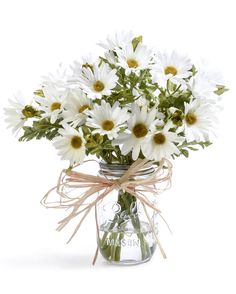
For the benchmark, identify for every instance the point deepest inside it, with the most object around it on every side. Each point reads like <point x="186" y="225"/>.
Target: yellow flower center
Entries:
<point x="191" y="118"/>
<point x="170" y="70"/>
<point x="132" y="63"/>
<point x="140" y="130"/>
<point x="98" y="86"/>
<point x="76" y="142"/>
<point x="55" y="106"/>
<point x="159" y="138"/>
<point x="83" y="107"/>
<point x="107" y="125"/>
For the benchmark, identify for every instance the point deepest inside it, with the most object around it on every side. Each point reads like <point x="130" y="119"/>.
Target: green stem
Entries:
<point x="112" y="249"/>
<point x="136" y="224"/>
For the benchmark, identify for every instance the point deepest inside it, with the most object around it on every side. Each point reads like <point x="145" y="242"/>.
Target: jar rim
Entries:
<point x="117" y="169"/>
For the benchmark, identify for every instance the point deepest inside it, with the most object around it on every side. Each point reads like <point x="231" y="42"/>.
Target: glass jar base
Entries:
<point x="129" y="262"/>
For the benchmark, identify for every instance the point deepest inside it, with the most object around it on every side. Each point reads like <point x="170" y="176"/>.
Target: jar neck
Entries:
<point x="117" y="170"/>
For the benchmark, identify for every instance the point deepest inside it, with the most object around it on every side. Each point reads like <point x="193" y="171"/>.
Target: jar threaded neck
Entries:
<point x="117" y="170"/>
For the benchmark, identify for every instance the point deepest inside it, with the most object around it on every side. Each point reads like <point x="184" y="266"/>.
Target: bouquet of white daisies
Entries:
<point x="128" y="105"/>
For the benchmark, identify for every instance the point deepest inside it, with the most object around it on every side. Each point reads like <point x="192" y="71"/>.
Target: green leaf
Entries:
<point x="192" y="148"/>
<point x="136" y="41"/>
<point x="184" y="152"/>
<point x="220" y="90"/>
<point x="40" y="129"/>
<point x="204" y="144"/>
<point x="39" y="92"/>
<point x="189" y="146"/>
<point x="193" y="70"/>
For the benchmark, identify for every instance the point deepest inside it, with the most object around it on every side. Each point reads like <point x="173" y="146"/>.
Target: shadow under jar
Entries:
<point x="125" y="235"/>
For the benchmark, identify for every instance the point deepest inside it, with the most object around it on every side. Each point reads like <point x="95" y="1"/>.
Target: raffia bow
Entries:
<point x="96" y="188"/>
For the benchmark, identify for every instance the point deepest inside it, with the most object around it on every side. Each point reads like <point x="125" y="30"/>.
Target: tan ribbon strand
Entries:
<point x="93" y="189"/>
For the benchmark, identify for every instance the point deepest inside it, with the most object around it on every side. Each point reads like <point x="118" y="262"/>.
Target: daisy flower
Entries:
<point x="117" y="41"/>
<point x="211" y="71"/>
<point x="173" y="67"/>
<point x="139" y="126"/>
<point x="201" y="85"/>
<point x="58" y="79"/>
<point x="87" y="62"/>
<point x="70" y="145"/>
<point x="134" y="59"/>
<point x="161" y="144"/>
<point x="18" y="113"/>
<point x="107" y="119"/>
<point x="98" y="81"/>
<point x="199" y="120"/>
<point x="76" y="105"/>
<point x="52" y="102"/>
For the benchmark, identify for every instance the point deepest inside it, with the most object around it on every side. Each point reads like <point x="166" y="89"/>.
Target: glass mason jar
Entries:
<point x="125" y="235"/>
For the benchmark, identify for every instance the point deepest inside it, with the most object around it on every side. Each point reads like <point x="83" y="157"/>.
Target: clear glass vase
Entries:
<point x="125" y="234"/>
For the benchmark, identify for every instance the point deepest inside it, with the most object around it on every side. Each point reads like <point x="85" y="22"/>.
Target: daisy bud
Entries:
<point x="29" y="111"/>
<point x="177" y="118"/>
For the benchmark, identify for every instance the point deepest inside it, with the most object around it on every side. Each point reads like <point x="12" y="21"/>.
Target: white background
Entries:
<point x="200" y="208"/>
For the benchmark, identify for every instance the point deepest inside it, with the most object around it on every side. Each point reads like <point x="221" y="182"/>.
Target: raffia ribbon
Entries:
<point x="96" y="188"/>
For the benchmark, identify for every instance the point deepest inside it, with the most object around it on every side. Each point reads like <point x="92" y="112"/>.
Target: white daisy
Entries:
<point x="211" y="71"/>
<point x="99" y="80"/>
<point x="14" y="116"/>
<point x="173" y="67"/>
<point x="70" y="145"/>
<point x="134" y="59"/>
<point x="202" y="86"/>
<point x="18" y="113"/>
<point x="117" y="40"/>
<point x="139" y="126"/>
<point x="59" y="79"/>
<point x="199" y="120"/>
<point x="161" y="144"/>
<point x="52" y="102"/>
<point x="88" y="61"/>
<point x="107" y="119"/>
<point x="76" y="105"/>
